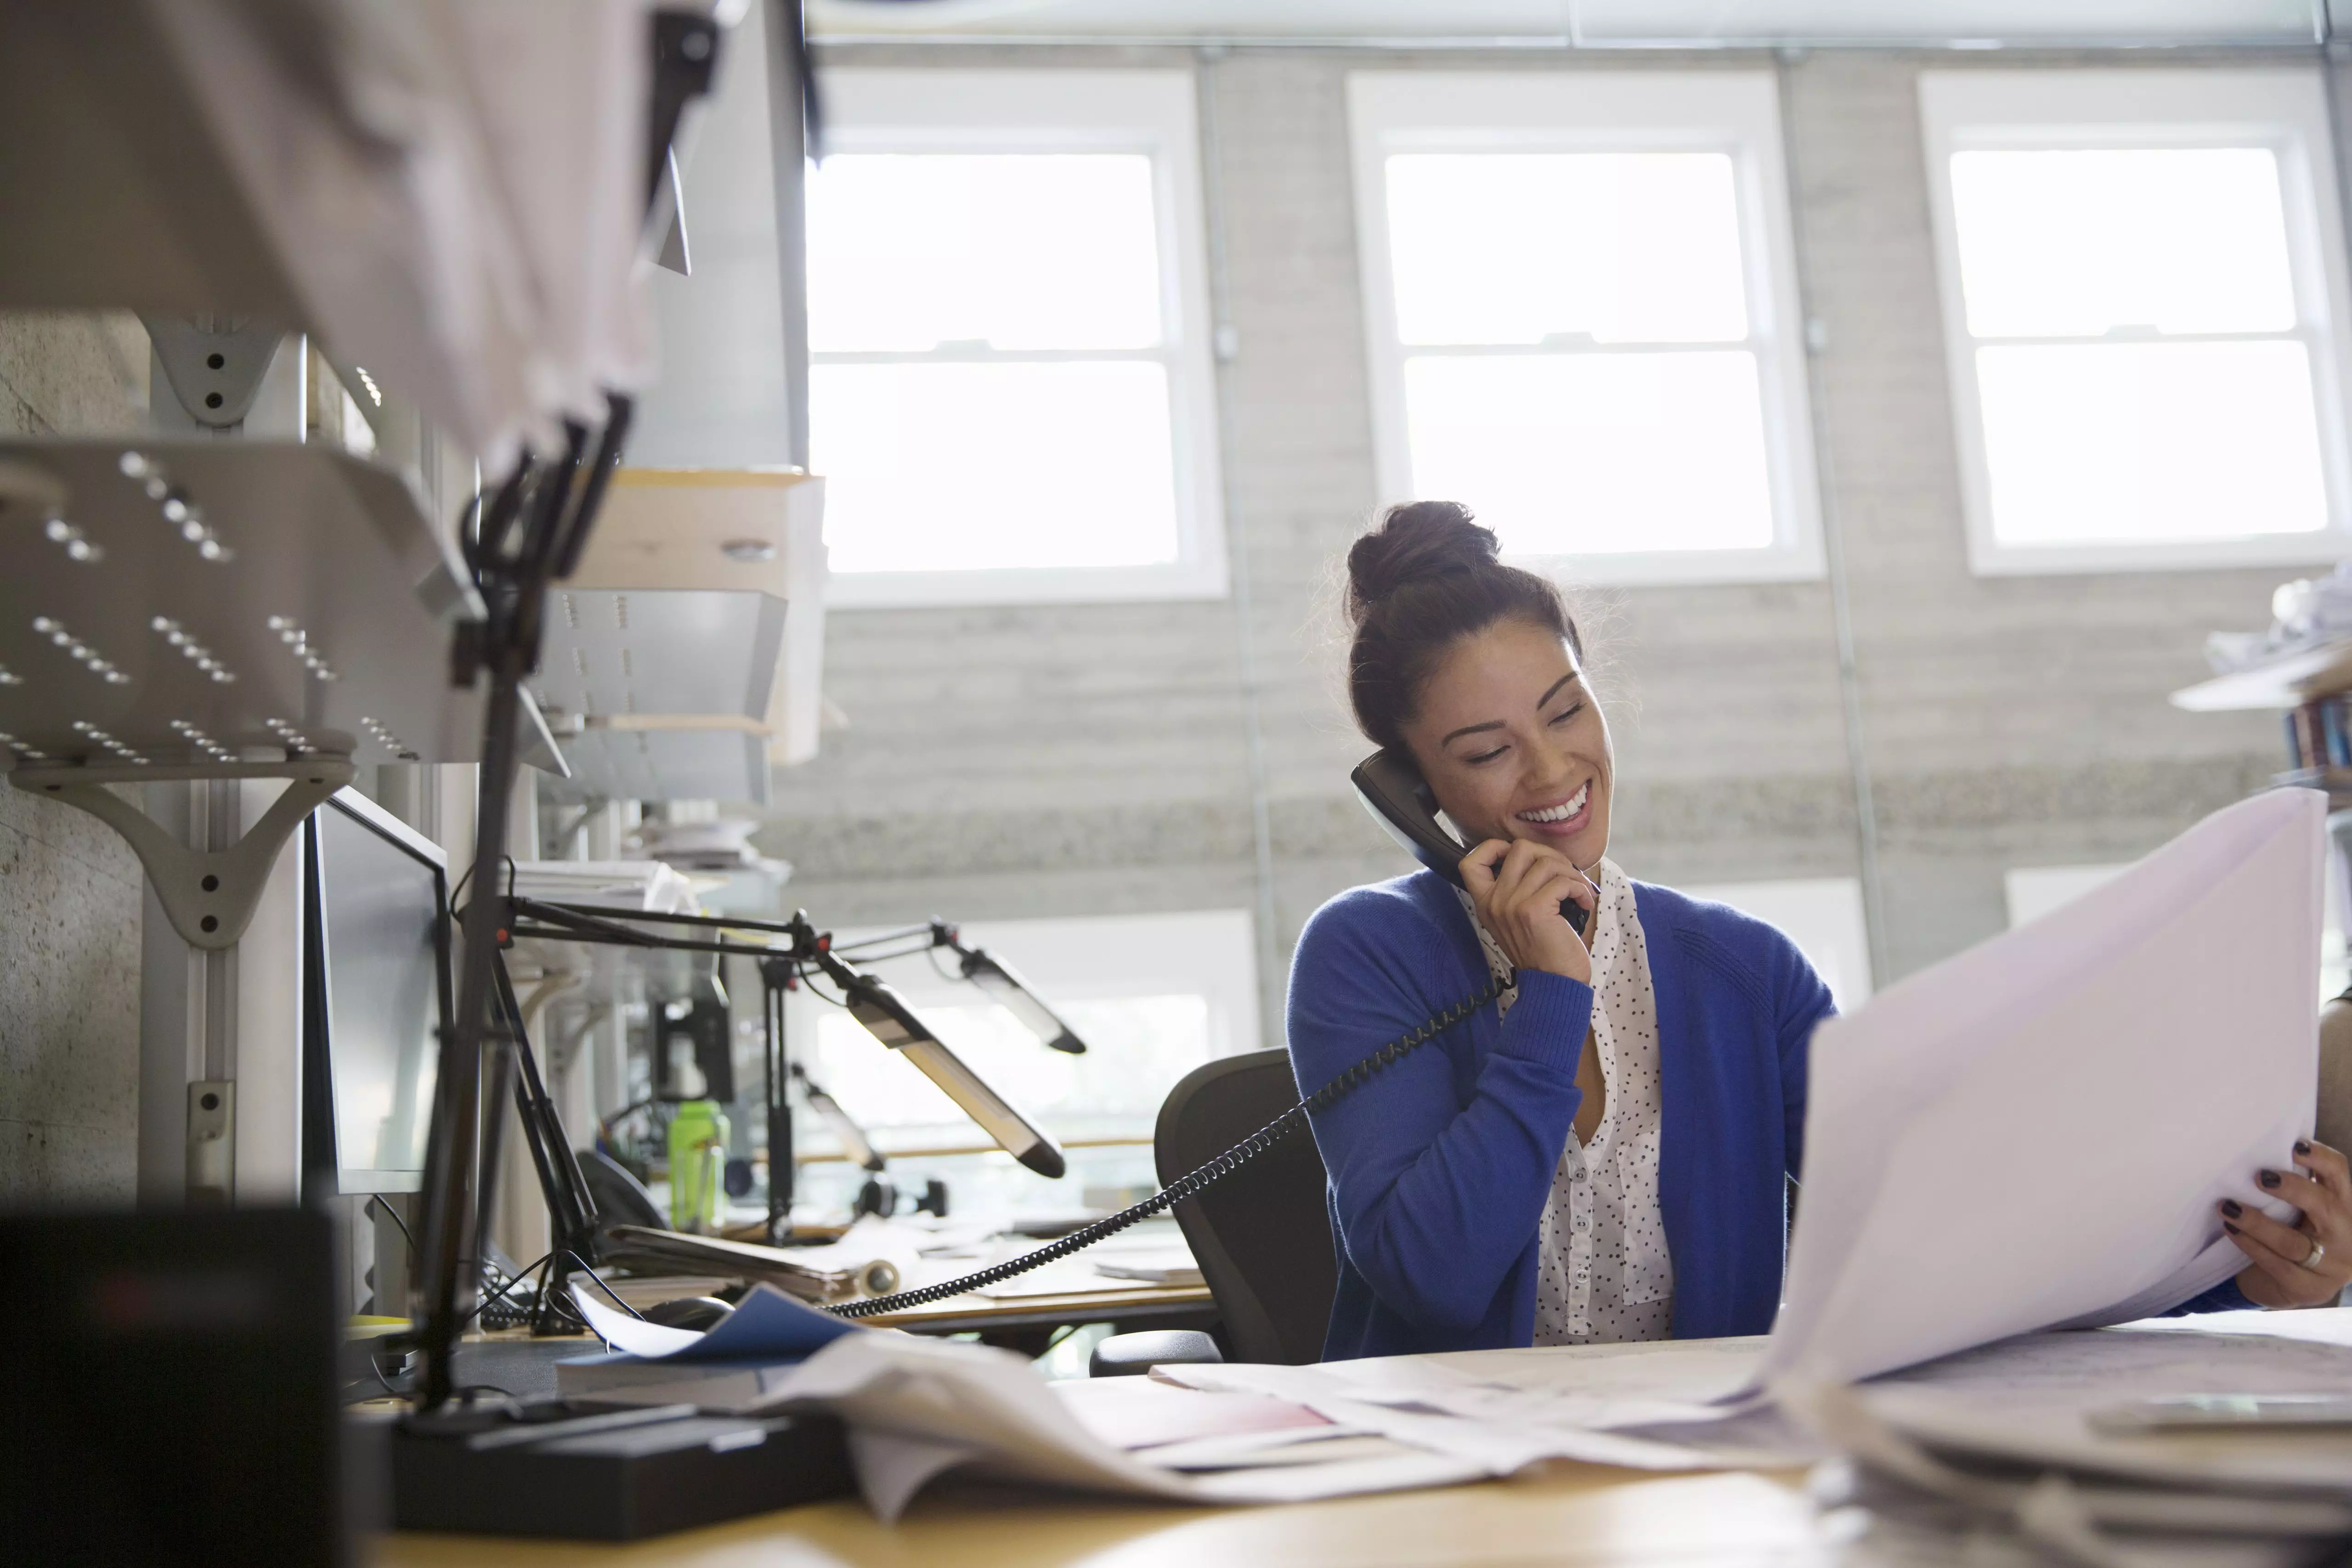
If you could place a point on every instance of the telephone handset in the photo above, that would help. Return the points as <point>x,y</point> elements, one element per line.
<point>1395,794</point>
<point>1401,801</point>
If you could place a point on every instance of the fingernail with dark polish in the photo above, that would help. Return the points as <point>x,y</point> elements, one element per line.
<point>2230,1227</point>
<point>2270,1178</point>
<point>2302,1147</point>
<point>2229,1207</point>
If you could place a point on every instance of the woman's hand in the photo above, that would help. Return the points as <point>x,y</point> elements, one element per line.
<point>1518,886</point>
<point>2304,1265</point>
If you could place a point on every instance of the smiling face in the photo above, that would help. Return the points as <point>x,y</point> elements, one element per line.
<point>1513,743</point>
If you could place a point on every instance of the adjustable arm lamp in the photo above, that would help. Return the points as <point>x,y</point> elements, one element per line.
<point>982,968</point>
<point>883,1012</point>
<point>853,1141</point>
<point>998,979</point>
<point>888,1019</point>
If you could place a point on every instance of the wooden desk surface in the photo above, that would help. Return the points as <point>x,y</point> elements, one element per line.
<point>1593,1516</point>
<point>1116,1302</point>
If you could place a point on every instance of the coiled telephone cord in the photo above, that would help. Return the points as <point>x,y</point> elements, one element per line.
<point>1185,1187</point>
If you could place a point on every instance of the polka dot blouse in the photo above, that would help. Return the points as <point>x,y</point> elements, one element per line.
<point>1602,1270</point>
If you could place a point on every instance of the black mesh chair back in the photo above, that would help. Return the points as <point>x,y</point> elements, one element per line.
<point>1261,1235</point>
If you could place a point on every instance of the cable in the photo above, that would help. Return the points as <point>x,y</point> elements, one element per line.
<point>809,985</point>
<point>1215,1170</point>
<point>393,1214</point>
<point>518,1278</point>
<point>604,1128</point>
<point>462,880</point>
<point>602,1286</point>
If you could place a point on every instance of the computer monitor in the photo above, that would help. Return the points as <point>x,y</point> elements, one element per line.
<point>377,978</point>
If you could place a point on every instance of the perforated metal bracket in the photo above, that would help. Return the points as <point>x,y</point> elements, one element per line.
<point>214,365</point>
<point>209,895</point>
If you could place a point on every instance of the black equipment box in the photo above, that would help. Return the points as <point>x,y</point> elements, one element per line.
<point>170,1391</point>
<point>616,1475</point>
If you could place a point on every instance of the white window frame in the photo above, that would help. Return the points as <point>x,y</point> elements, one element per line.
<point>1147,111</point>
<point>2283,109</point>
<point>1733,112</point>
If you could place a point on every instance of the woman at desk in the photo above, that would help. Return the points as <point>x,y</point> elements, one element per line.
<point>1602,1152</point>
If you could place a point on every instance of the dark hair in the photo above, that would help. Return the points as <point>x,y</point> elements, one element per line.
<point>1426,577</point>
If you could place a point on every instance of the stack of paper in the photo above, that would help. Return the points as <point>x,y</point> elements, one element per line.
<point>646,885</point>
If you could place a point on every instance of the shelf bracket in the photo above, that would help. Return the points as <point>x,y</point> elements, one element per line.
<point>209,895</point>
<point>214,365</point>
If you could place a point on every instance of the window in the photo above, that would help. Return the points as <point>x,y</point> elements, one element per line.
<point>1009,387</point>
<point>2034,891</point>
<point>1822,916</point>
<point>2139,271</point>
<point>1581,301</point>
<point>1153,995</point>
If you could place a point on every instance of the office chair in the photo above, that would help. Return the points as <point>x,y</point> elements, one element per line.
<point>1262,1236</point>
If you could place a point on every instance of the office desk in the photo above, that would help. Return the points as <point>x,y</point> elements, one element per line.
<point>1013,1320</point>
<point>1592,1515</point>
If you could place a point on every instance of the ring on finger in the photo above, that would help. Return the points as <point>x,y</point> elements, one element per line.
<point>2317,1254</point>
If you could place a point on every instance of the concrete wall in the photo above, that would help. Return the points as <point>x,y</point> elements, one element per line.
<point>69,888</point>
<point>1057,760</point>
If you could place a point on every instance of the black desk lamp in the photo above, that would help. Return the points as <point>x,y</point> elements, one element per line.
<point>883,1012</point>
<point>992,974</point>
<point>855,1144</point>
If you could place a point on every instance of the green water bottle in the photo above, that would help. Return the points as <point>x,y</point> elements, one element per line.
<point>697,1165</point>
<point>698,1155</point>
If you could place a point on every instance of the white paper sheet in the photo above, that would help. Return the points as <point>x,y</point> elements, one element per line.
<point>1510,1408</point>
<point>918,1408</point>
<point>2037,1132</point>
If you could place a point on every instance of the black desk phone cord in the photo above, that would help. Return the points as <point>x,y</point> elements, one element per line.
<point>1224,1165</point>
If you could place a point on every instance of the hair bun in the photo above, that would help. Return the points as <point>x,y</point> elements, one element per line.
<point>1414,542</point>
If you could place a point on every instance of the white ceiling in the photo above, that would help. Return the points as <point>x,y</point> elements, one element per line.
<point>1599,23</point>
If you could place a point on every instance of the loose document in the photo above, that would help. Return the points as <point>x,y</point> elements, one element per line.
<point>2037,1132</point>
<point>2028,1140</point>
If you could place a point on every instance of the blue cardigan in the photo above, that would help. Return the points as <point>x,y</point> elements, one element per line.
<point>1440,1164</point>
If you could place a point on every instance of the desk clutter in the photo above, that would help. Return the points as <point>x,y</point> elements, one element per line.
<point>1932,1339</point>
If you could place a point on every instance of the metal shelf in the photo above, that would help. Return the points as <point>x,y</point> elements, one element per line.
<point>662,692</point>
<point>682,658</point>
<point>188,601</point>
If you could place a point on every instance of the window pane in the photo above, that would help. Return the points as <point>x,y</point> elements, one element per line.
<point>1513,247</point>
<point>1022,251</point>
<point>2062,244</point>
<point>937,467</point>
<point>2130,441</point>
<point>1596,454</point>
